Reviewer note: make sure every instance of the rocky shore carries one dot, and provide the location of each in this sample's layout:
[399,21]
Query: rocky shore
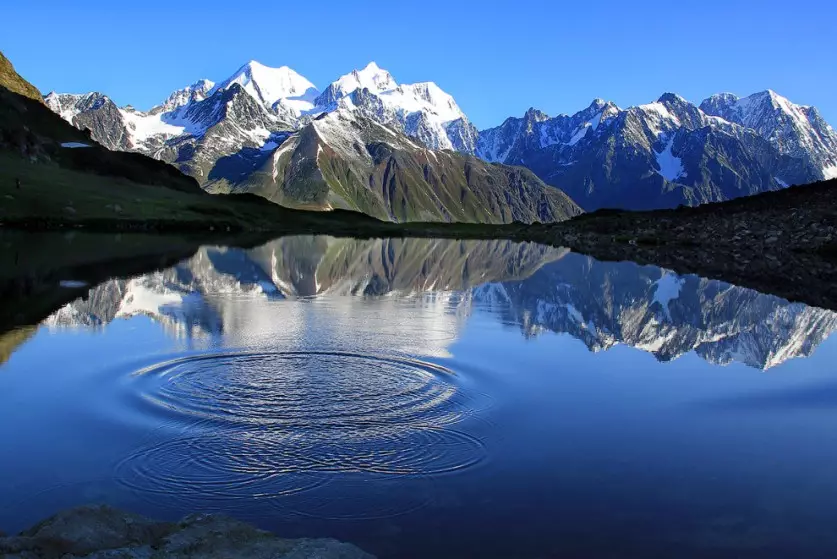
[102,532]
[783,242]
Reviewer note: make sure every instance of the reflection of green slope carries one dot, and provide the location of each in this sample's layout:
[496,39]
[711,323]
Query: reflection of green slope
[12,340]
[375,266]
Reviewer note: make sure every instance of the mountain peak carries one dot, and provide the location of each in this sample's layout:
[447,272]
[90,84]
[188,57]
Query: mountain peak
[536,115]
[195,92]
[671,98]
[372,67]
[372,77]
[203,83]
[270,85]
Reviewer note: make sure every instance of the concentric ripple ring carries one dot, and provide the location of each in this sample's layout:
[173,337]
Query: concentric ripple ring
[268,424]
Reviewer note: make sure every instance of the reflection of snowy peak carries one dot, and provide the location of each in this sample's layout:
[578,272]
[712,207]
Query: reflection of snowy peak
[540,288]
[604,304]
[175,297]
[186,297]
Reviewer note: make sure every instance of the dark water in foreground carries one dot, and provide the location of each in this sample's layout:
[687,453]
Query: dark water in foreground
[433,398]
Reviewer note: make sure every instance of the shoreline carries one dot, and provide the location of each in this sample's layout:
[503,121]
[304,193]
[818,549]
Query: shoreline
[783,243]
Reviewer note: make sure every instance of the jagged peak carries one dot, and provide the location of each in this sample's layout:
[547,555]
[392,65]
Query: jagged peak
[672,98]
[535,115]
[371,77]
[598,103]
[202,83]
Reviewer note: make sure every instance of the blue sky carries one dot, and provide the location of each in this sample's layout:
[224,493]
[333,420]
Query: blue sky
[496,58]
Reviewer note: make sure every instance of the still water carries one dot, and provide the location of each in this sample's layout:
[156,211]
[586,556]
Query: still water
[433,398]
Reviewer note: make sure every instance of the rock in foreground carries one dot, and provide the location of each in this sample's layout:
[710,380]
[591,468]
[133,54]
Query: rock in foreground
[100,532]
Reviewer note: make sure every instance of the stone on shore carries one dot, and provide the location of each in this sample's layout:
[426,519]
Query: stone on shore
[102,532]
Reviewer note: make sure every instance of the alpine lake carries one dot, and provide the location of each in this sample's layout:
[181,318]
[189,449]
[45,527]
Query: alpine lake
[423,398]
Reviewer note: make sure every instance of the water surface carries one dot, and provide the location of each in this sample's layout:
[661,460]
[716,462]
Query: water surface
[433,398]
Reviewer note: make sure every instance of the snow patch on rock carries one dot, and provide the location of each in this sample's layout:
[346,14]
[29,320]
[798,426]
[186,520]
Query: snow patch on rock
[671,166]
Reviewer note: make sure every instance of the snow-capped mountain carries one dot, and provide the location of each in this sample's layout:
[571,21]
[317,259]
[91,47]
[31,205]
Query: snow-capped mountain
[420,110]
[95,112]
[660,154]
[795,130]
[198,91]
[279,89]
[372,78]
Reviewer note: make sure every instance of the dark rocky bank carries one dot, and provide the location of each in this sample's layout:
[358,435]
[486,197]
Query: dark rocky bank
[783,242]
[102,532]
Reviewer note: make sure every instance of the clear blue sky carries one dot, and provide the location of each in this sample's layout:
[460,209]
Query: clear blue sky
[497,58]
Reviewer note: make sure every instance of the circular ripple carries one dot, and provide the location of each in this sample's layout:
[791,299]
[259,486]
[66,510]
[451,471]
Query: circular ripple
[205,469]
[265,425]
[304,390]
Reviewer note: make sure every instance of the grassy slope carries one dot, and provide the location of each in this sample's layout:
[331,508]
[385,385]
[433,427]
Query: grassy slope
[12,81]
[51,195]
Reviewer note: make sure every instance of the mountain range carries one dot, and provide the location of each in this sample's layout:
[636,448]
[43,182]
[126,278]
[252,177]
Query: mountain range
[408,152]
[535,287]
[364,144]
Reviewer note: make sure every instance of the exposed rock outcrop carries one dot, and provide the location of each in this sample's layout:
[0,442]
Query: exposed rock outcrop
[99,532]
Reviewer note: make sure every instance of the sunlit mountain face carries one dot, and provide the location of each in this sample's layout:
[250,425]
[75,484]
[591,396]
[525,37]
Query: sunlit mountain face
[538,288]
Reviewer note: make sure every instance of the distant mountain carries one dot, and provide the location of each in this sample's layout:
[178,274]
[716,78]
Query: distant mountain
[29,130]
[658,155]
[795,130]
[662,154]
[536,287]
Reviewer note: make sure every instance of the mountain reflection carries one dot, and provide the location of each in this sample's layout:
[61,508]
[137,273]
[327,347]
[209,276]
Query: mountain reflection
[537,287]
